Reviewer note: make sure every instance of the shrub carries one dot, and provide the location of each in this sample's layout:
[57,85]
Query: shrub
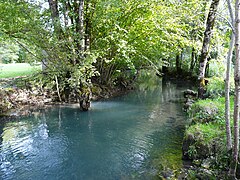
[208,110]
[216,87]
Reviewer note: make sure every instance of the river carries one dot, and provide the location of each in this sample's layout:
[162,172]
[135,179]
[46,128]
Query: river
[126,137]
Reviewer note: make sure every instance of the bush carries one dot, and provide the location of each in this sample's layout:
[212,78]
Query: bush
[209,110]
[216,87]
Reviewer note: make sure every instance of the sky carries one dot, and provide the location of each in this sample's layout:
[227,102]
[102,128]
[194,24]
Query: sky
[42,3]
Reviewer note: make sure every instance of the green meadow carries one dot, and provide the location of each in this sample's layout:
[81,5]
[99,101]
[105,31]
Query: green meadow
[17,69]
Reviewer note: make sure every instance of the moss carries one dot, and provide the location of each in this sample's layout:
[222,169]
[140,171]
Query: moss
[218,102]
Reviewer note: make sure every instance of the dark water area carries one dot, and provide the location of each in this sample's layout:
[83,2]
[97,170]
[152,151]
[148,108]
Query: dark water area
[127,137]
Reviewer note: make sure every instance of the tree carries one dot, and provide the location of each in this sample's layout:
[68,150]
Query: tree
[112,39]
[72,65]
[139,34]
[205,47]
[234,162]
[227,82]
[53,4]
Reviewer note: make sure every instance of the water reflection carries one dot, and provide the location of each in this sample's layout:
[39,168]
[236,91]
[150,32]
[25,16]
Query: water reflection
[118,138]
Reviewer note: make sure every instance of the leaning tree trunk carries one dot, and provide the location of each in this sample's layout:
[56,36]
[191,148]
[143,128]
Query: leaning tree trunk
[227,82]
[234,162]
[205,47]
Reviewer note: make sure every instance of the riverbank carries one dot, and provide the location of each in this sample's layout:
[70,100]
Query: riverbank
[204,150]
[204,143]
[20,98]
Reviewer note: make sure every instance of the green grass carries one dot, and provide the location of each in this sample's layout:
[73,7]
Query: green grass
[210,110]
[17,69]
[217,102]
[207,132]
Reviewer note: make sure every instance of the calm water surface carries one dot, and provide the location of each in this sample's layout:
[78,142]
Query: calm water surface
[127,137]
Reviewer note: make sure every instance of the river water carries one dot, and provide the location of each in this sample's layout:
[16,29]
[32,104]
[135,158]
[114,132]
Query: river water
[127,137]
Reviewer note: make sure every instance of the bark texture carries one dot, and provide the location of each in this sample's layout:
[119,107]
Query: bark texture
[234,162]
[227,96]
[206,44]
[227,82]
[53,4]
[88,27]
[193,61]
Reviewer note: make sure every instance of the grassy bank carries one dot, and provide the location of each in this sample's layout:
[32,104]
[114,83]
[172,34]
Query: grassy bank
[205,139]
[17,69]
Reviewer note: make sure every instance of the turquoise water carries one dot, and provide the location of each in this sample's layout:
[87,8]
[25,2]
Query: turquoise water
[121,138]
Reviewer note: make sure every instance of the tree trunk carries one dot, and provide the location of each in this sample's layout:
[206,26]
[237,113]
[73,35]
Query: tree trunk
[87,34]
[69,9]
[227,91]
[85,98]
[192,61]
[227,82]
[206,44]
[178,68]
[79,21]
[65,14]
[234,162]
[53,4]
[79,25]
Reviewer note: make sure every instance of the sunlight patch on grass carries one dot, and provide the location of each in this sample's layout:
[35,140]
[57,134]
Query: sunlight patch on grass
[18,69]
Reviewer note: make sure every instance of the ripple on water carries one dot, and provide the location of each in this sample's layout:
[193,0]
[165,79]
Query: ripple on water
[118,138]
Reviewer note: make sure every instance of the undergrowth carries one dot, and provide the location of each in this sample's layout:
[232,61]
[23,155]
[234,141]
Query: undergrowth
[206,134]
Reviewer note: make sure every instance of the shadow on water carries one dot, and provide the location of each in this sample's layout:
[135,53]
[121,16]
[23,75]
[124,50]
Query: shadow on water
[127,137]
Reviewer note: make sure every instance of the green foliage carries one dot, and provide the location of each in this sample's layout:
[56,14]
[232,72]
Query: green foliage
[19,19]
[11,51]
[135,34]
[209,141]
[65,77]
[8,52]
[207,132]
[209,110]
[81,75]
[216,87]
[124,37]
[192,151]
[219,50]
